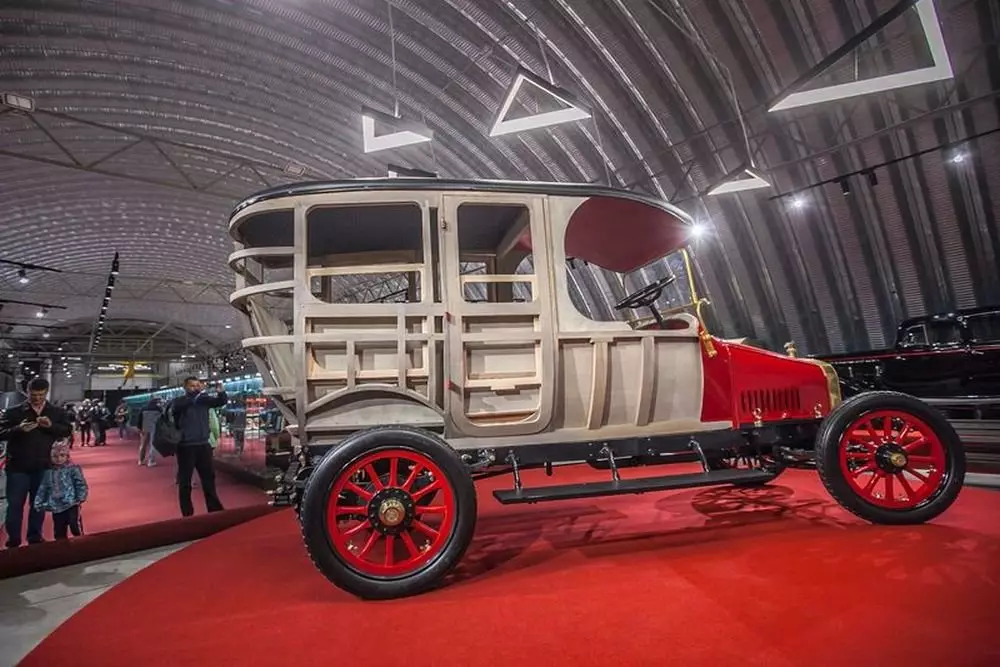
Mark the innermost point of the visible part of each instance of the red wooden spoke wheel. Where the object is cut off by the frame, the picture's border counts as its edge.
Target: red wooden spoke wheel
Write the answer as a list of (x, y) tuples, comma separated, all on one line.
[(388, 512), (391, 512), (892, 459)]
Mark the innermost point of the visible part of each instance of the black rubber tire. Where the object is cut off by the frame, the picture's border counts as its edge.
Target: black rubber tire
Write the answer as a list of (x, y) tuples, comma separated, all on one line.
[(316, 496), (828, 464)]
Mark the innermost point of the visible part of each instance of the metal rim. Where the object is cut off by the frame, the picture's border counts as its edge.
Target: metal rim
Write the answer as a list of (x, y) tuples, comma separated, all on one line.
[(391, 513), (893, 460)]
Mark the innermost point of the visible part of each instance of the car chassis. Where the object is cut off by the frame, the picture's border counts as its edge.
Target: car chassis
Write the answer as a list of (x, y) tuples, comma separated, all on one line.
[(464, 356)]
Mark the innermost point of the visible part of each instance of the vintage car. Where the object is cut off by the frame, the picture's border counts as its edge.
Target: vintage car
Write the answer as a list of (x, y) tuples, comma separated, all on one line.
[(420, 334), (950, 359)]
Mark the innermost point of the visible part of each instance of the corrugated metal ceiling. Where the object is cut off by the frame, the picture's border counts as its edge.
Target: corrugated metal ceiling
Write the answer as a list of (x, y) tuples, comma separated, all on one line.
[(165, 113)]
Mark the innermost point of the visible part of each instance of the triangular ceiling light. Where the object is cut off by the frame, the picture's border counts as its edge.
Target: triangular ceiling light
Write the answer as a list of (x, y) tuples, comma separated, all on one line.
[(572, 110), (406, 133), (752, 182), (939, 71)]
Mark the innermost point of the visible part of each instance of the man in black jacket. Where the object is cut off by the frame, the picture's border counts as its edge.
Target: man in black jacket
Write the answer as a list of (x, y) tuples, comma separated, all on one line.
[(30, 430), (194, 452)]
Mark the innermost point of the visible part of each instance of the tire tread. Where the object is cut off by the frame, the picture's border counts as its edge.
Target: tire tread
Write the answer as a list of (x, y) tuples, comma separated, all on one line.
[(830, 475), (372, 589)]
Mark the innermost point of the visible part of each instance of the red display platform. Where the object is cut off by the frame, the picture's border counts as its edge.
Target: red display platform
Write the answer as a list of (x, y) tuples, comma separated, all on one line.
[(131, 507), (777, 576), (125, 495)]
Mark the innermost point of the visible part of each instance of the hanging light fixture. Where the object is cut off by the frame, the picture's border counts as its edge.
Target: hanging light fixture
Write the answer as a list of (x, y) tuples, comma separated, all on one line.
[(572, 111), (753, 181), (940, 70), (407, 133)]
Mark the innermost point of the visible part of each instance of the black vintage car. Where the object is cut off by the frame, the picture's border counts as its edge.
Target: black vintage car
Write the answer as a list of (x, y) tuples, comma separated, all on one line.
[(953, 359)]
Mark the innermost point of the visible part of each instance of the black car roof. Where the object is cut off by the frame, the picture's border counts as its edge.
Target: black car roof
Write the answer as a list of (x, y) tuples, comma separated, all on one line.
[(520, 187), (948, 316)]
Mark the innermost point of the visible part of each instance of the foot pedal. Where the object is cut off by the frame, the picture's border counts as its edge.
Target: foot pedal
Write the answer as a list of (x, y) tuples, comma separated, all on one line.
[(631, 486)]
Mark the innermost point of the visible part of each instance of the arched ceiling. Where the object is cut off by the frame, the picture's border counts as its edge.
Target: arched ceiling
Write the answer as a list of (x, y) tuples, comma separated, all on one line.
[(153, 118)]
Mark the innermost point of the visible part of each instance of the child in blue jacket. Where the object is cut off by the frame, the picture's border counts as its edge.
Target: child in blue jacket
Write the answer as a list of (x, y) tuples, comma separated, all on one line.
[(62, 491)]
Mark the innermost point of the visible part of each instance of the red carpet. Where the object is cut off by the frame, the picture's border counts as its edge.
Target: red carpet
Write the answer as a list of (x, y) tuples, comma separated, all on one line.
[(778, 576), (123, 494), (131, 508)]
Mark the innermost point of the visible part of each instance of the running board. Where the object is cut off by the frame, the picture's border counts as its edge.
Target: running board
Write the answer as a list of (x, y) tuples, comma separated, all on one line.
[(625, 486)]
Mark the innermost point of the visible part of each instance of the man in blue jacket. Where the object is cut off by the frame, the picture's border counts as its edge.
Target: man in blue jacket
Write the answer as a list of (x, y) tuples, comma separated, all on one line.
[(194, 452)]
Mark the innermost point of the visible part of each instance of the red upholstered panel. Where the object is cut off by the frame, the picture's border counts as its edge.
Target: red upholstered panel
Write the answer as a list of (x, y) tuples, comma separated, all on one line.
[(622, 235)]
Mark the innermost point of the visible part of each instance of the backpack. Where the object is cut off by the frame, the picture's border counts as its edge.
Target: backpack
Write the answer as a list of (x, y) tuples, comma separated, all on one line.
[(166, 435)]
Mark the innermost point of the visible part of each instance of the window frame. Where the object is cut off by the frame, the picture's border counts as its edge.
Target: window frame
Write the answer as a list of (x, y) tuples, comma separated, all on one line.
[(425, 286), (994, 338)]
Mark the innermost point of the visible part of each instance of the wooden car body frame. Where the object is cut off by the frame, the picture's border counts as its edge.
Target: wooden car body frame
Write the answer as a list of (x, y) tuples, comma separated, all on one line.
[(507, 374)]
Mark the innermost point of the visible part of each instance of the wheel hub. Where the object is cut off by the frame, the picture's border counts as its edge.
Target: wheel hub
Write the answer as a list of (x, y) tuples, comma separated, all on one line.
[(391, 511), (891, 458)]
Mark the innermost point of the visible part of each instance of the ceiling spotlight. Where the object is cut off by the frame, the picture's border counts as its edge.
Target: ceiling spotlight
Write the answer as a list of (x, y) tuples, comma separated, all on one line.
[(22, 277), (698, 230), (958, 158), (46, 334), (799, 202), (41, 313), (229, 326), (845, 187), (872, 178)]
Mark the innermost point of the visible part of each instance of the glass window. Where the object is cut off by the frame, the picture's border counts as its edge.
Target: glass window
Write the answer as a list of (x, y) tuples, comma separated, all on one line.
[(984, 327), (944, 333), (584, 279), (914, 336)]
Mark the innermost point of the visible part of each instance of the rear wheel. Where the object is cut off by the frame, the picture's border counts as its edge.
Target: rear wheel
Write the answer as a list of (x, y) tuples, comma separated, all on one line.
[(890, 458), (389, 512)]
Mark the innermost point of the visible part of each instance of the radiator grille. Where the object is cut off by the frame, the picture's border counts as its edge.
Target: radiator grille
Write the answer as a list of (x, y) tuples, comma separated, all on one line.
[(771, 401)]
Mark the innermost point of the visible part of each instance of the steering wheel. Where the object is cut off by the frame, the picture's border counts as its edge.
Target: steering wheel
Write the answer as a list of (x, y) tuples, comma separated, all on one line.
[(647, 296)]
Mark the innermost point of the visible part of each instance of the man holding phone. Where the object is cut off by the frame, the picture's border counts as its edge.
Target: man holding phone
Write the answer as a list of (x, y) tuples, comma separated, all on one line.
[(30, 430), (194, 452)]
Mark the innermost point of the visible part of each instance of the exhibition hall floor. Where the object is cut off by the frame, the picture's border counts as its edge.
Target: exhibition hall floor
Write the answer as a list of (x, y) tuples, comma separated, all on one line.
[(778, 576)]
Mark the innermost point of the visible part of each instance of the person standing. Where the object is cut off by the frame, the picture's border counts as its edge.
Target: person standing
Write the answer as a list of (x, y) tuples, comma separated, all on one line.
[(121, 418), (238, 426), (71, 415), (190, 413), (147, 424), (101, 417), (63, 491), (84, 415), (30, 430)]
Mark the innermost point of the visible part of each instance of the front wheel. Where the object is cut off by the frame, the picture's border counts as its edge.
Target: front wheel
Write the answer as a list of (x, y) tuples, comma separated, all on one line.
[(389, 512), (890, 458)]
